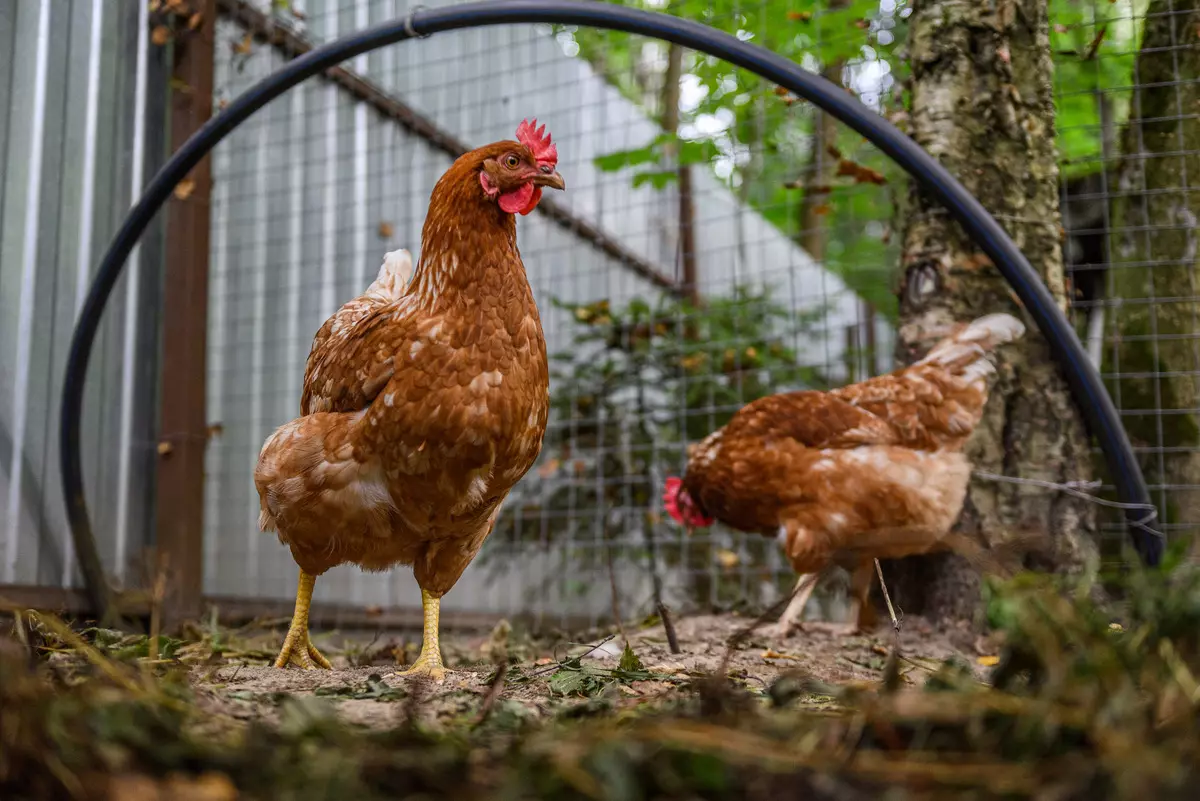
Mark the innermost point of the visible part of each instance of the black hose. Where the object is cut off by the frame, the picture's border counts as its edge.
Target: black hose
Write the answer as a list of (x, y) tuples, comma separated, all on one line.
[(1085, 383)]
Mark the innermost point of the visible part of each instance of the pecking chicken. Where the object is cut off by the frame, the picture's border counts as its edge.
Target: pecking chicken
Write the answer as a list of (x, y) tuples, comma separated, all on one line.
[(871, 470), (424, 402)]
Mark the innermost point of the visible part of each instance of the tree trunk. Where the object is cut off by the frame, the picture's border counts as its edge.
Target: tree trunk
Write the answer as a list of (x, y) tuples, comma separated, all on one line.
[(983, 104), (1155, 261)]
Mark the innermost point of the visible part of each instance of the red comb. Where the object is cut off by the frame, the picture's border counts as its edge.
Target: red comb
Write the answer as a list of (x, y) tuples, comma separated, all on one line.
[(542, 148)]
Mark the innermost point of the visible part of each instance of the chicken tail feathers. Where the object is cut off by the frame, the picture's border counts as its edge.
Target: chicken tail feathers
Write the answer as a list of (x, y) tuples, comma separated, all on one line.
[(966, 352), (394, 275)]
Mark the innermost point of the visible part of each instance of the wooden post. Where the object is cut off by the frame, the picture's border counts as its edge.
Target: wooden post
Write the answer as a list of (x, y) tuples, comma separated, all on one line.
[(182, 416)]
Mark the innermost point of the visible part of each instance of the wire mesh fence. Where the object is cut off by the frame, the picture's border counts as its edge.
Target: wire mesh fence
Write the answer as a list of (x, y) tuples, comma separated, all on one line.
[(768, 233), (720, 241)]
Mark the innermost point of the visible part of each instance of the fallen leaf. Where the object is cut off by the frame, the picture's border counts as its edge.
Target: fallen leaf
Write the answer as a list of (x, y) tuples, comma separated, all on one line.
[(772, 654), (160, 35), (727, 559), (184, 189), (988, 661)]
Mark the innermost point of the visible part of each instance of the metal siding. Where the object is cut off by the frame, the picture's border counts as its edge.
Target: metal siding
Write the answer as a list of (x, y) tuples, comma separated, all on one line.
[(83, 181)]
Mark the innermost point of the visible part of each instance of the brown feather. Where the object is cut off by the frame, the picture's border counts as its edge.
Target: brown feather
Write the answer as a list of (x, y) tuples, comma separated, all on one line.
[(423, 404)]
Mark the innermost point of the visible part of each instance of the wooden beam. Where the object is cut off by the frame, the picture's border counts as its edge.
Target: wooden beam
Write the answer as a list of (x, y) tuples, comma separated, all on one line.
[(183, 424)]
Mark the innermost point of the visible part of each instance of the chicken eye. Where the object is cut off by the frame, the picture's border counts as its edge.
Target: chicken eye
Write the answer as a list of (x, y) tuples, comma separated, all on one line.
[(511, 162)]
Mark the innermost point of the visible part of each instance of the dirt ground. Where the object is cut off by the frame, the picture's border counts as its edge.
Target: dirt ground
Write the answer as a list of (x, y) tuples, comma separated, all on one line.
[(544, 681)]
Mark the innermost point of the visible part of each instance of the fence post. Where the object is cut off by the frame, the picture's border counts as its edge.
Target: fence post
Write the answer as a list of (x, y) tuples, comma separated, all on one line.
[(183, 426)]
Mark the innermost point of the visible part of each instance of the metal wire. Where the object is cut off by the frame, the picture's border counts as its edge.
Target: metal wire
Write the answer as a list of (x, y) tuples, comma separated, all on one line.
[(1085, 383)]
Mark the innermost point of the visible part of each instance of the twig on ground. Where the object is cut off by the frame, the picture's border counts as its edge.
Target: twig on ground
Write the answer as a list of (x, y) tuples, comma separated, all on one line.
[(887, 598), (493, 693), (669, 628)]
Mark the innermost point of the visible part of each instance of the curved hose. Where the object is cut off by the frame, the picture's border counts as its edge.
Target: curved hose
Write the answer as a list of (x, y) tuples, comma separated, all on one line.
[(1085, 383)]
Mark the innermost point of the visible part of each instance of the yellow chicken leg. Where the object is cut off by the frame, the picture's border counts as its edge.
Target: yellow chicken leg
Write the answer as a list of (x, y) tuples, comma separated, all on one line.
[(429, 662), (297, 647)]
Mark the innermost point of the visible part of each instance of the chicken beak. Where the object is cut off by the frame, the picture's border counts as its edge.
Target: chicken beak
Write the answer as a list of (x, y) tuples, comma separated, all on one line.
[(551, 179)]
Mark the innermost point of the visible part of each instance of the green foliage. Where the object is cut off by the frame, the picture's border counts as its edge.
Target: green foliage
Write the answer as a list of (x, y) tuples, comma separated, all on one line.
[(765, 140), (632, 387), (1094, 47)]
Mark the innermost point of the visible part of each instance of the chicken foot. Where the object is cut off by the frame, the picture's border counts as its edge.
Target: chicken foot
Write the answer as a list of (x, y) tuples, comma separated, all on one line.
[(790, 619), (297, 647), (429, 662)]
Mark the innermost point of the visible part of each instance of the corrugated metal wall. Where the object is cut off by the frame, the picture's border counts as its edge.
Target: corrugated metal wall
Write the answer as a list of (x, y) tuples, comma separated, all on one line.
[(73, 146), (311, 192)]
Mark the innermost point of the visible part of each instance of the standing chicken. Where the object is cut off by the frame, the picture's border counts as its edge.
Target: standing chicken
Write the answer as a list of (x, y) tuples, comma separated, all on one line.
[(422, 405), (871, 470)]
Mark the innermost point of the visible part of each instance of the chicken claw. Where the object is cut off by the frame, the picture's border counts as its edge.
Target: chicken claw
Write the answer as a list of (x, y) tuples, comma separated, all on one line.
[(429, 662), (297, 648)]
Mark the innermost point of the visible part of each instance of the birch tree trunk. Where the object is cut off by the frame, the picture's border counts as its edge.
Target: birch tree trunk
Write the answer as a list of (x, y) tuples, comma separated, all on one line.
[(1155, 260), (983, 105)]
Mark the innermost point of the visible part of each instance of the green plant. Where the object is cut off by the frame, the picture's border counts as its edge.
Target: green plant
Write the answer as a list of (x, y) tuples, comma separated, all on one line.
[(633, 387)]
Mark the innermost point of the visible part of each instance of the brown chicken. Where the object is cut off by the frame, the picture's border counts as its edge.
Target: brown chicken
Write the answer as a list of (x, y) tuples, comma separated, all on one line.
[(871, 470), (422, 405)]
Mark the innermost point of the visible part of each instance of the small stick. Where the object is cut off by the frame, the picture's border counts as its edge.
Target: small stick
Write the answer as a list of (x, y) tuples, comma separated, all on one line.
[(669, 628), (740, 635), (493, 693), (887, 598)]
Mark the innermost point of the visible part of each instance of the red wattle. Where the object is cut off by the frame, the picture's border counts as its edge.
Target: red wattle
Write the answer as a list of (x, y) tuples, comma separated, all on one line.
[(517, 201), (537, 195)]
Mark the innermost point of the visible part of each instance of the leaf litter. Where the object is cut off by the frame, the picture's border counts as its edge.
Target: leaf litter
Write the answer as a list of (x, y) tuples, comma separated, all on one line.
[(1083, 701)]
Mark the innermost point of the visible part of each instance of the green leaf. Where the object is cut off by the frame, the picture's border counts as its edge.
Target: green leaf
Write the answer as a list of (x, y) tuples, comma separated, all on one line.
[(659, 179), (629, 660), (568, 682)]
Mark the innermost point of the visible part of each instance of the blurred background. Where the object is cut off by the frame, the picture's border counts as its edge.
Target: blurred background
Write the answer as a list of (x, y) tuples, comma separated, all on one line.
[(720, 240)]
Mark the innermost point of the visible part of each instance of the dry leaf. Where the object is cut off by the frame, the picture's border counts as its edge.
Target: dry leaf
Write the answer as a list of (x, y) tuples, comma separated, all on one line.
[(160, 35), (772, 654), (988, 661), (184, 189), (386, 230), (860, 174), (727, 559)]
